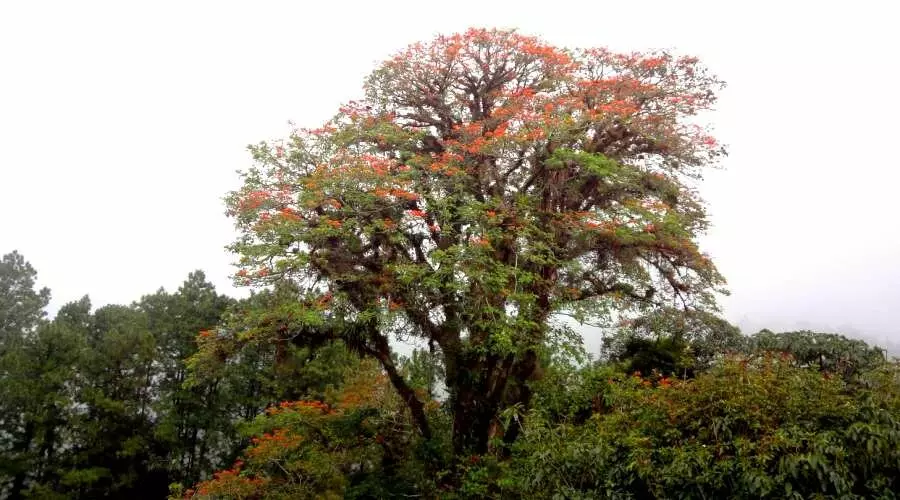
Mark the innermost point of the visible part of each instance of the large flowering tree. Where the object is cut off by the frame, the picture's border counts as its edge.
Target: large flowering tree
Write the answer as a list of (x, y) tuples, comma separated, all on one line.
[(486, 183)]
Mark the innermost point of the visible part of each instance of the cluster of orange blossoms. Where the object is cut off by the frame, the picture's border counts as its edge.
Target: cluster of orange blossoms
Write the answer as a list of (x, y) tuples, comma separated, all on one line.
[(254, 200), (273, 444), (289, 214), (228, 483), (299, 406), (649, 382)]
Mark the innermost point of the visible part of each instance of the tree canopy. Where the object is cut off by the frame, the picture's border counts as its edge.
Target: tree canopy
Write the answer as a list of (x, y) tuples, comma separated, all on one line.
[(486, 182)]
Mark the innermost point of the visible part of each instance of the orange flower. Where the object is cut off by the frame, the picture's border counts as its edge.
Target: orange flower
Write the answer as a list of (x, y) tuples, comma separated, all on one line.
[(289, 214), (406, 195)]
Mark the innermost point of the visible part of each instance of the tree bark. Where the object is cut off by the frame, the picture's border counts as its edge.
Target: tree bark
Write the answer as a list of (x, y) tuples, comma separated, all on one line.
[(478, 389)]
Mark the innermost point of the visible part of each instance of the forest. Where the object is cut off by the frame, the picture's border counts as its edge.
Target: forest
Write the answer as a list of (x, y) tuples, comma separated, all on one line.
[(420, 270)]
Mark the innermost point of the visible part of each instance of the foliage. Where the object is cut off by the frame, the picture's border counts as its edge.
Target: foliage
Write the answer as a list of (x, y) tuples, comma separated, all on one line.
[(36, 403), (92, 404), (672, 341), (486, 182), (21, 305), (749, 428), (194, 421), (112, 424), (33, 367), (358, 445), (571, 394), (827, 351), (755, 426)]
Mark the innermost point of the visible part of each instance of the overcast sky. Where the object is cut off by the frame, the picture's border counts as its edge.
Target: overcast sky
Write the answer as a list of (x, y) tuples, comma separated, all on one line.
[(122, 124)]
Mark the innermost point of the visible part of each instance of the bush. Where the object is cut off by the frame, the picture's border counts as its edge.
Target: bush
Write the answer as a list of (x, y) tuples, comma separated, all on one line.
[(749, 428)]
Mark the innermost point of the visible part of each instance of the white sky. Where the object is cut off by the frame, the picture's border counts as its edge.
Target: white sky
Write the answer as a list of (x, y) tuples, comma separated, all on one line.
[(122, 124)]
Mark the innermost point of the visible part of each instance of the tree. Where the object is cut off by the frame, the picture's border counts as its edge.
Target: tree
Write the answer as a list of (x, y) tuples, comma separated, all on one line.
[(21, 305), (485, 183), (28, 370), (227, 388), (673, 341), (826, 351), (193, 421), (99, 403), (36, 401), (114, 450), (356, 442)]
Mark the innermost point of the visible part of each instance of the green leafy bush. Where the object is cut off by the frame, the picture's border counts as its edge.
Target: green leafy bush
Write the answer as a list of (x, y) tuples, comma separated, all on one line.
[(758, 427)]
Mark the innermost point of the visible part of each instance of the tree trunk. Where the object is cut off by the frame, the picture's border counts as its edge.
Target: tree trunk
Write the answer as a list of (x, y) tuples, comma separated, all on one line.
[(472, 418), (480, 390), (477, 388)]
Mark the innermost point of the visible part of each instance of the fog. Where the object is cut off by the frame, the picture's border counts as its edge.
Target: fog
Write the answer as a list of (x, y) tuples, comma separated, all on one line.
[(121, 127)]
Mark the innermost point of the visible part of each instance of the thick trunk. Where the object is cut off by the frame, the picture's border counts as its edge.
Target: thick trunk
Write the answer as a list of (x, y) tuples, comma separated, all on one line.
[(479, 391), (472, 421)]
